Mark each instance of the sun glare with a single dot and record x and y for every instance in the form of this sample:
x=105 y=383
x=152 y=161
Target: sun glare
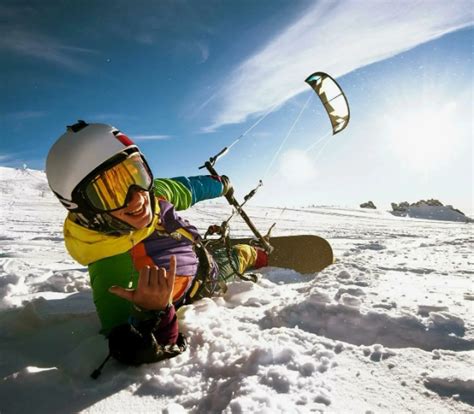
x=423 y=138
x=297 y=166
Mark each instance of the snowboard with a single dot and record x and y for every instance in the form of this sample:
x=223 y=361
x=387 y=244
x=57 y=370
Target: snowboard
x=302 y=253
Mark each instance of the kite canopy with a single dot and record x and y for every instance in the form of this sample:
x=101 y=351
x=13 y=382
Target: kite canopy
x=333 y=99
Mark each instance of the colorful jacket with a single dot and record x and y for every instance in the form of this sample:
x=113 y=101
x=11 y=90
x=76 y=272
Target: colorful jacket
x=116 y=260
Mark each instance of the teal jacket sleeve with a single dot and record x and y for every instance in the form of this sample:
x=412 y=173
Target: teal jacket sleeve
x=183 y=192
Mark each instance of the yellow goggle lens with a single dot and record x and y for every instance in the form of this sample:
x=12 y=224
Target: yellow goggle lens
x=109 y=189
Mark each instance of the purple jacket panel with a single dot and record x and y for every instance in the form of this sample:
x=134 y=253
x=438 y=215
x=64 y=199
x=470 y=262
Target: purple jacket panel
x=160 y=247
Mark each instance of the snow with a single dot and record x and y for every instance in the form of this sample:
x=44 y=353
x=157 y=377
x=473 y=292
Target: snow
x=388 y=328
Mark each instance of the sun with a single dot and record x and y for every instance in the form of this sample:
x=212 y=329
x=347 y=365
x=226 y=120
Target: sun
x=423 y=138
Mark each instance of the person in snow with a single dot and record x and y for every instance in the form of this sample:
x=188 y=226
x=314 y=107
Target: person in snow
x=144 y=260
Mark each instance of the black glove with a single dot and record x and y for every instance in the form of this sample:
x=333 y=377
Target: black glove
x=135 y=346
x=228 y=188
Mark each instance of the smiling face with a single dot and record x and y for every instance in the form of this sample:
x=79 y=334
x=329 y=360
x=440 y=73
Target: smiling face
x=137 y=212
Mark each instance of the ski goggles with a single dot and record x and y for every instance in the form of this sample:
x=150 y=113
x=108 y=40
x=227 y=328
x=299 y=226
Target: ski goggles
x=110 y=189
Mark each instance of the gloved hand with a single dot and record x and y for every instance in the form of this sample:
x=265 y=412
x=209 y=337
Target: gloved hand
x=135 y=346
x=228 y=188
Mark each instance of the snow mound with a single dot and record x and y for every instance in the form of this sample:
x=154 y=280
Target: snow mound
x=23 y=182
x=344 y=319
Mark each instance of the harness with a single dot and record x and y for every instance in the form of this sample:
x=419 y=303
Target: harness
x=206 y=280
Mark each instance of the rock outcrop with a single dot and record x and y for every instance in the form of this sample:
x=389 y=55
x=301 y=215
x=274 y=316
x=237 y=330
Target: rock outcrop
x=429 y=209
x=369 y=204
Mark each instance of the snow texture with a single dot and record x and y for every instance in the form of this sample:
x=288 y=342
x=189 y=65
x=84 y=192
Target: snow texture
x=388 y=328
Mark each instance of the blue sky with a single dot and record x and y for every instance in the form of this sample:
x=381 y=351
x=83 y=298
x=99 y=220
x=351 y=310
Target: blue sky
x=185 y=78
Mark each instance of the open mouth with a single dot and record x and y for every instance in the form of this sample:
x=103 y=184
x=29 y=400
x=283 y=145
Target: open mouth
x=139 y=211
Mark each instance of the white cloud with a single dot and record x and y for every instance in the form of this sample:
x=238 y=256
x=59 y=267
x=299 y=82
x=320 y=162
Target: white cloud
x=12 y=160
x=25 y=115
x=197 y=51
x=40 y=46
x=203 y=50
x=5 y=157
x=334 y=37
x=151 y=137
x=145 y=38
x=109 y=117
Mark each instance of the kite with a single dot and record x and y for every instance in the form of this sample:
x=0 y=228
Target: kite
x=333 y=99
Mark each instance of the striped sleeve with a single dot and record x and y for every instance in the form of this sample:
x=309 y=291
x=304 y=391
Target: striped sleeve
x=183 y=192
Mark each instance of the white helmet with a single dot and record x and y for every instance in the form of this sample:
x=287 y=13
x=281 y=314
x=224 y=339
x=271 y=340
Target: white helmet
x=81 y=151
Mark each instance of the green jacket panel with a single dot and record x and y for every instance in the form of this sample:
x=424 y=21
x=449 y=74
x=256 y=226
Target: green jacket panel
x=120 y=269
